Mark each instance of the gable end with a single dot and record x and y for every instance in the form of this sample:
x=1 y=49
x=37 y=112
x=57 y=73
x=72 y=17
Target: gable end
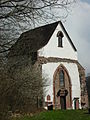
x=68 y=36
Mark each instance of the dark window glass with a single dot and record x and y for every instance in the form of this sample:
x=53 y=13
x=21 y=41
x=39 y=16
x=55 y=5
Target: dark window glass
x=60 y=41
x=61 y=78
x=48 y=97
x=60 y=37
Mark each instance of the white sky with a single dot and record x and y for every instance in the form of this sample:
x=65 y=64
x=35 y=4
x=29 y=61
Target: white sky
x=78 y=26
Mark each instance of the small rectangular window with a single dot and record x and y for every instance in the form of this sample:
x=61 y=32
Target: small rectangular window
x=60 y=37
x=60 y=42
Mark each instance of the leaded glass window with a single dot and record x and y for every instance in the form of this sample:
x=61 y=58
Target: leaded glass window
x=61 y=78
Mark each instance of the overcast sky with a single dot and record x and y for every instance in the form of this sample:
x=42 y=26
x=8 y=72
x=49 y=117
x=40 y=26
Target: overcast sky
x=78 y=27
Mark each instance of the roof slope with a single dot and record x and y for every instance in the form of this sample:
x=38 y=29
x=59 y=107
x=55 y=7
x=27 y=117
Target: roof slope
x=68 y=36
x=34 y=39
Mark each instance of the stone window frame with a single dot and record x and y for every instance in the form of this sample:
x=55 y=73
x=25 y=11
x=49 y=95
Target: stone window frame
x=60 y=67
x=48 y=97
x=60 y=38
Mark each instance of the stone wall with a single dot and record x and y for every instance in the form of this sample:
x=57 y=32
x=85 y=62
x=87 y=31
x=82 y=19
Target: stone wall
x=84 y=97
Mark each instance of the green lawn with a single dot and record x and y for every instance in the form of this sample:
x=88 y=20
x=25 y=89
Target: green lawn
x=59 y=115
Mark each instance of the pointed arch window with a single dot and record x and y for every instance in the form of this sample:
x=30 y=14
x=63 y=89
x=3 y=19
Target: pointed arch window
x=48 y=97
x=61 y=78
x=60 y=36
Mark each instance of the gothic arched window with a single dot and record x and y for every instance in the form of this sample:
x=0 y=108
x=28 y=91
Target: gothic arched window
x=61 y=78
x=60 y=36
x=48 y=97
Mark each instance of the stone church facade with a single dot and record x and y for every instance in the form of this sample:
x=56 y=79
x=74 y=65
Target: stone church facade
x=66 y=86
x=53 y=51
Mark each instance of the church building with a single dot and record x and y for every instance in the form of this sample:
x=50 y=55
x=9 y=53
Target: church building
x=54 y=51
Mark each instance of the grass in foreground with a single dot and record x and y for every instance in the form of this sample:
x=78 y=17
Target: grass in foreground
x=59 y=115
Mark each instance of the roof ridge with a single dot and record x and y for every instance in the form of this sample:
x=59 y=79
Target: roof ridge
x=42 y=26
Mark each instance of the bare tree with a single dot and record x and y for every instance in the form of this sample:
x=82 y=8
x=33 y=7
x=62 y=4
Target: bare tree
x=21 y=88
x=21 y=83
x=17 y=16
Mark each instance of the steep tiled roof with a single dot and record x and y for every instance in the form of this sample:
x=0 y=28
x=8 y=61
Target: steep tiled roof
x=33 y=40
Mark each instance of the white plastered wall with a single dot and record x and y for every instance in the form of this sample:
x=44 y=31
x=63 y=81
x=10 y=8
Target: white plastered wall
x=68 y=52
x=48 y=71
x=52 y=49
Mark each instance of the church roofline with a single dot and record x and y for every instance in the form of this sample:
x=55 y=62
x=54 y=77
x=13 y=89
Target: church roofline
x=68 y=36
x=35 y=39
